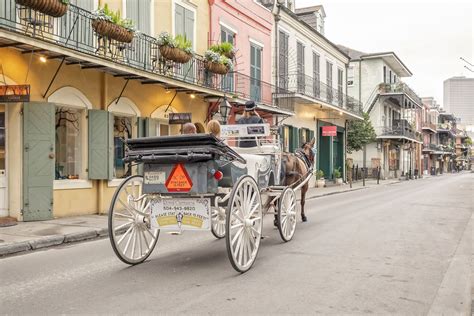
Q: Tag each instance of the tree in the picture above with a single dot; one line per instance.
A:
(359, 134)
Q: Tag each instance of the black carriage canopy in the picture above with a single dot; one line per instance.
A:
(179, 148)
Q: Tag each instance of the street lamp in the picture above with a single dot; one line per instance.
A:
(224, 110)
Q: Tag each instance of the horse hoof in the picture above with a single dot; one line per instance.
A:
(304, 219)
(275, 222)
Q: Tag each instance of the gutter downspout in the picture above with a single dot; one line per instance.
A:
(276, 15)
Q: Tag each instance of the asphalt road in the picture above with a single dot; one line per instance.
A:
(402, 248)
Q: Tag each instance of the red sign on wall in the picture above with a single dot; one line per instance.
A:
(329, 130)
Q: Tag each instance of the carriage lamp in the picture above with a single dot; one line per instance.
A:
(224, 109)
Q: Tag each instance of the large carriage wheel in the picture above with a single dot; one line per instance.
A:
(218, 222)
(130, 233)
(244, 224)
(286, 216)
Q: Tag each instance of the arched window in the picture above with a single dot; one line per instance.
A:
(125, 117)
(71, 107)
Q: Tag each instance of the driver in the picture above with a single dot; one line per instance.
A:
(250, 117)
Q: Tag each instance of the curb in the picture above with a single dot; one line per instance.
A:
(49, 241)
(333, 193)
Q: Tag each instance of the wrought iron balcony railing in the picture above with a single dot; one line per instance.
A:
(429, 125)
(400, 87)
(400, 128)
(74, 31)
(315, 89)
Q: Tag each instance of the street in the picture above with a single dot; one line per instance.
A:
(403, 248)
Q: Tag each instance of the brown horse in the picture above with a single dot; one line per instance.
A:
(295, 168)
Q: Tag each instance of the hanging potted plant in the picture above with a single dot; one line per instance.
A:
(338, 176)
(178, 49)
(226, 49)
(54, 8)
(320, 182)
(109, 24)
(216, 63)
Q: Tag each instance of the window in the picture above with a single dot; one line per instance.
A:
(255, 72)
(300, 67)
(340, 91)
(283, 60)
(140, 13)
(122, 132)
(68, 164)
(184, 22)
(316, 76)
(350, 76)
(329, 81)
(389, 76)
(228, 80)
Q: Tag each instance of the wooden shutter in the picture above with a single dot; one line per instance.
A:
(101, 126)
(144, 19)
(38, 160)
(294, 140)
(189, 25)
(150, 125)
(283, 60)
(179, 20)
(311, 135)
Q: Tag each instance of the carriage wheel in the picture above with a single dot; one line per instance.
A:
(286, 216)
(131, 236)
(218, 222)
(244, 224)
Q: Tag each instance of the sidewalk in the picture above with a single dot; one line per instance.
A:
(27, 236)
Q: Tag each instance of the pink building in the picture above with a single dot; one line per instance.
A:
(248, 26)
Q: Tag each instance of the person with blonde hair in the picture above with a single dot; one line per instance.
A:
(214, 128)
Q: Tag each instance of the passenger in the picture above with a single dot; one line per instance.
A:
(214, 128)
(250, 117)
(189, 128)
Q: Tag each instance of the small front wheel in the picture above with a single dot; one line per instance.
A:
(218, 222)
(286, 215)
(130, 232)
(244, 224)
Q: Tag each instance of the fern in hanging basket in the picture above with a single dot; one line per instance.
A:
(54, 8)
(216, 63)
(178, 49)
(109, 24)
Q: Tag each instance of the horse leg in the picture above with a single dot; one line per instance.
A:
(303, 196)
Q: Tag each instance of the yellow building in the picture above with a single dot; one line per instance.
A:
(62, 151)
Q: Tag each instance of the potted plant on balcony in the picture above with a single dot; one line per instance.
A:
(320, 182)
(54, 8)
(178, 49)
(109, 24)
(226, 49)
(338, 176)
(217, 63)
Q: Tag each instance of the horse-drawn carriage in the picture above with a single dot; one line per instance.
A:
(199, 182)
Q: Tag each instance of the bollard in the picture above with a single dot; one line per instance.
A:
(363, 176)
(378, 175)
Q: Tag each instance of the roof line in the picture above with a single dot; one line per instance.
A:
(386, 53)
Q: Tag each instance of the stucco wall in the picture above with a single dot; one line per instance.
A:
(100, 89)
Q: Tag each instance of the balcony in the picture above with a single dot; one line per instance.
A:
(429, 127)
(310, 90)
(400, 129)
(446, 128)
(72, 40)
(399, 88)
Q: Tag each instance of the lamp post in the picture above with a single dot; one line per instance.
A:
(224, 109)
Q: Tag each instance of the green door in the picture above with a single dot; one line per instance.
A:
(38, 161)
(323, 154)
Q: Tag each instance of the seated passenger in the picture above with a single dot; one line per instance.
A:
(214, 128)
(189, 128)
(250, 117)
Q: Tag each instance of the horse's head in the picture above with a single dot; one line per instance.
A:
(308, 150)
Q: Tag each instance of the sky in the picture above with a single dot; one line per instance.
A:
(428, 36)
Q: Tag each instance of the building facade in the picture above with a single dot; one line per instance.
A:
(395, 112)
(306, 63)
(62, 149)
(459, 99)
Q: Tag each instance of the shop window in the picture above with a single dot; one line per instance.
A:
(68, 164)
(122, 132)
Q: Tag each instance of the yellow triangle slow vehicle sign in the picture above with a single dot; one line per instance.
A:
(179, 180)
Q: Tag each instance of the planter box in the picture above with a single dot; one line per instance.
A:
(320, 183)
(217, 68)
(338, 181)
(54, 8)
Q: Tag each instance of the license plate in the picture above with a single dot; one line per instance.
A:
(181, 214)
(155, 177)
